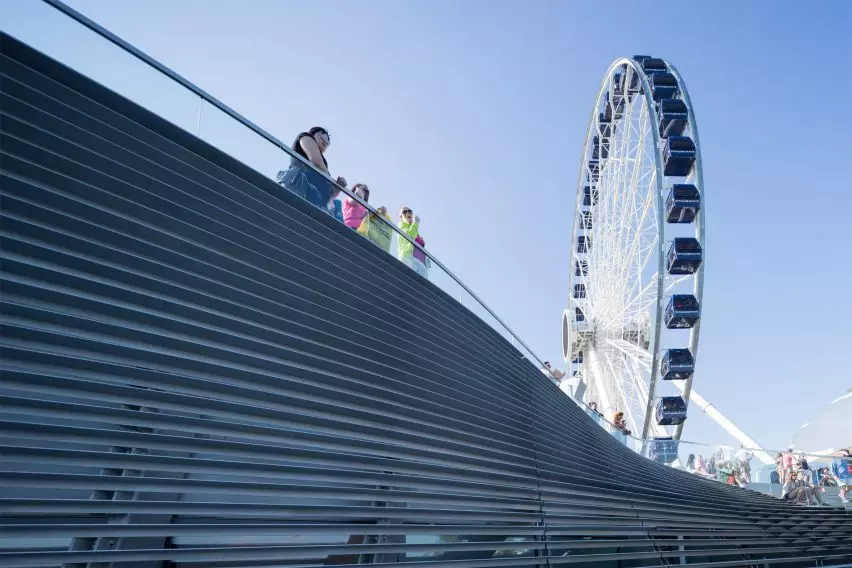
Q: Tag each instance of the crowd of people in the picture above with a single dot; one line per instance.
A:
(302, 180)
(733, 468)
(800, 484)
(788, 464)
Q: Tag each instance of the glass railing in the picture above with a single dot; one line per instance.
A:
(51, 27)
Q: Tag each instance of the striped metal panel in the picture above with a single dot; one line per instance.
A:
(201, 370)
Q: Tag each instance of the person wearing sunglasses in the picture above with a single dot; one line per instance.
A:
(303, 180)
(410, 225)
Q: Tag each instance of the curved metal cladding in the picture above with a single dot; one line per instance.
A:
(201, 370)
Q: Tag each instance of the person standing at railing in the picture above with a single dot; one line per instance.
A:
(410, 225)
(378, 228)
(552, 372)
(303, 180)
(353, 212)
(593, 406)
(620, 423)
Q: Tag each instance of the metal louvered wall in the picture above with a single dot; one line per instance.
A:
(200, 370)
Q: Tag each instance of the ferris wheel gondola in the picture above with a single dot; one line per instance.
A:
(637, 249)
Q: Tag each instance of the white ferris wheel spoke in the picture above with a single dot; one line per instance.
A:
(617, 388)
(633, 351)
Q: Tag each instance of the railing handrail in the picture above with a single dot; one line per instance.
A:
(147, 59)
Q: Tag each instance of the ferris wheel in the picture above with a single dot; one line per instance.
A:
(635, 292)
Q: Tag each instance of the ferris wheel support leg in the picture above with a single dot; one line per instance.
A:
(726, 423)
(598, 378)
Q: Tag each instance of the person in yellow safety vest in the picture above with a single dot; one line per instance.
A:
(378, 228)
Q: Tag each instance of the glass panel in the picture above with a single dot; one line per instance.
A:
(220, 130)
(477, 308)
(445, 282)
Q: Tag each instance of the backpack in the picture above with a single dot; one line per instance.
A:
(774, 478)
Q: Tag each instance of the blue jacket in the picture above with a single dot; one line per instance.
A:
(840, 468)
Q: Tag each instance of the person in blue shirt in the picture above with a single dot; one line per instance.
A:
(841, 469)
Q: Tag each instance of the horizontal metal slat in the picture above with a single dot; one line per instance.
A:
(315, 492)
(347, 466)
(190, 512)
(33, 373)
(293, 475)
(99, 344)
(295, 443)
(292, 374)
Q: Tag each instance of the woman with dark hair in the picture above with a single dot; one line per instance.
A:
(301, 179)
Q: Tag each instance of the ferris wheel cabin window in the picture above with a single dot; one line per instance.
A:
(670, 411)
(684, 256)
(678, 156)
(676, 364)
(651, 65)
(663, 86)
(682, 311)
(682, 203)
(673, 117)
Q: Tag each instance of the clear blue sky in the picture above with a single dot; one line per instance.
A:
(474, 113)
